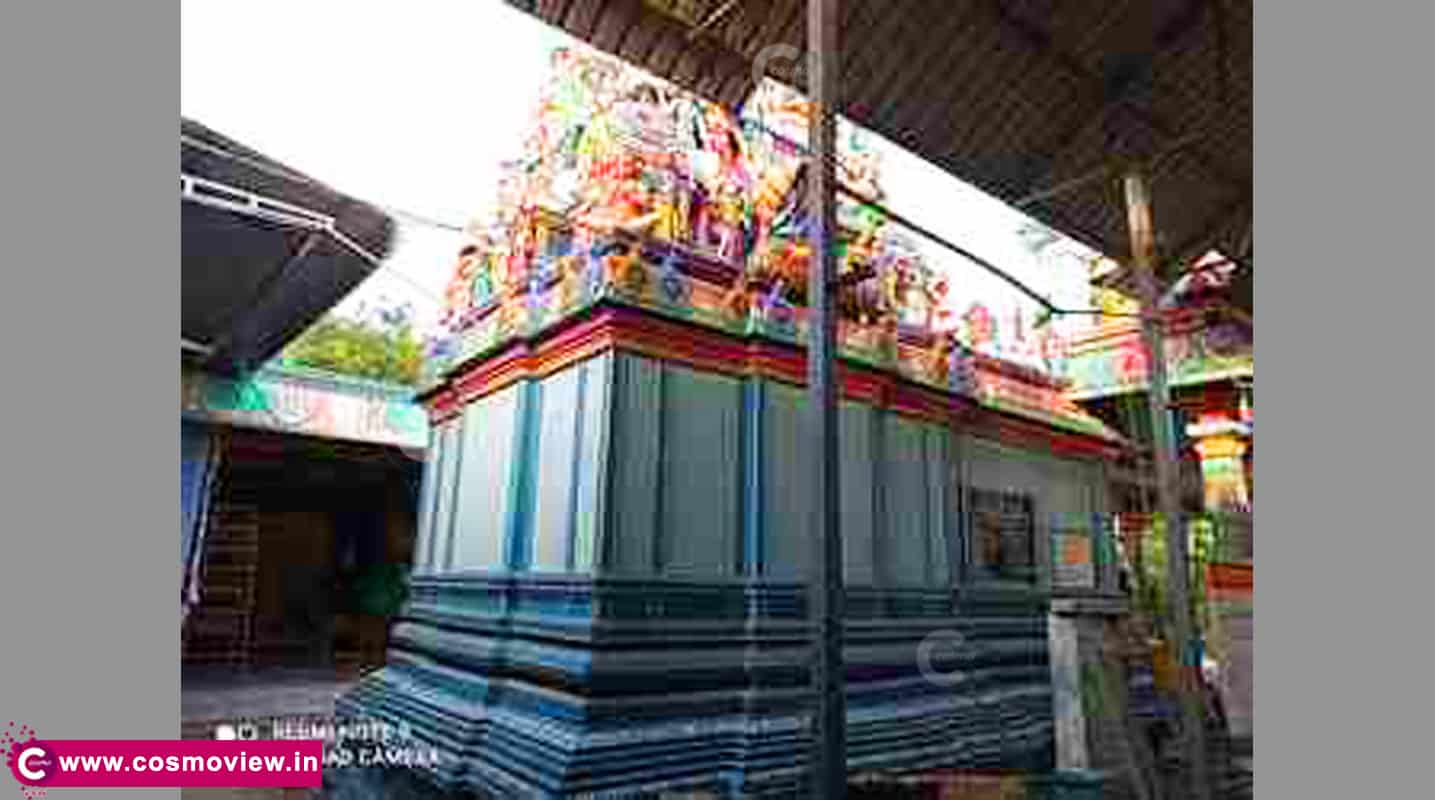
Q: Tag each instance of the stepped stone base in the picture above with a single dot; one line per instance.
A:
(557, 687)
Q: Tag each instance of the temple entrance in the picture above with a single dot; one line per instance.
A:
(304, 563)
(308, 545)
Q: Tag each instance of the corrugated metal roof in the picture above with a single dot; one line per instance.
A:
(259, 264)
(1012, 96)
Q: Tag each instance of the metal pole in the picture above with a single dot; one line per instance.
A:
(829, 743)
(1143, 250)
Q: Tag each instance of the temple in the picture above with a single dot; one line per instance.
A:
(608, 589)
(1210, 367)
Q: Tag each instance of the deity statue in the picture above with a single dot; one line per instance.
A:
(570, 279)
(980, 329)
(790, 266)
(741, 298)
(915, 305)
(939, 359)
(939, 293)
(458, 295)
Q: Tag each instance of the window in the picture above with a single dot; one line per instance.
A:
(1002, 530)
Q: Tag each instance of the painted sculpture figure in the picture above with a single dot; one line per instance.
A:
(608, 590)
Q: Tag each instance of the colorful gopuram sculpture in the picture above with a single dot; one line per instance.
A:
(608, 594)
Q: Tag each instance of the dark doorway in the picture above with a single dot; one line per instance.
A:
(309, 548)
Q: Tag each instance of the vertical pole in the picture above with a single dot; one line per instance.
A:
(1143, 249)
(829, 743)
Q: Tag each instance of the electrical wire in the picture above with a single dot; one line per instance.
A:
(424, 220)
(379, 264)
(941, 241)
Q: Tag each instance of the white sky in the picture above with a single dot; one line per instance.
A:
(412, 106)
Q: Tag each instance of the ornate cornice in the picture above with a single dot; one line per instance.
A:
(614, 328)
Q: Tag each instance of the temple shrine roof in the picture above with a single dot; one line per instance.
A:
(633, 192)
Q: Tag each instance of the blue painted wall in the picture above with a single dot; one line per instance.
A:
(856, 436)
(485, 502)
(622, 544)
(428, 498)
(443, 465)
(570, 415)
(623, 465)
(631, 525)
